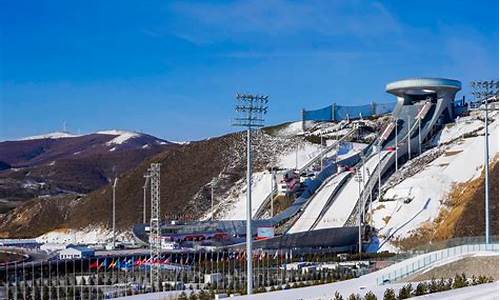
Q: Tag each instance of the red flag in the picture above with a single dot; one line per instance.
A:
(94, 265)
(390, 149)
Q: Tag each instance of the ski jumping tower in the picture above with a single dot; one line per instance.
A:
(154, 236)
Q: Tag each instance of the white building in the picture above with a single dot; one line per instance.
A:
(53, 247)
(76, 252)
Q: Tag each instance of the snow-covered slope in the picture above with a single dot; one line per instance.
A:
(317, 204)
(233, 207)
(424, 192)
(343, 205)
(89, 236)
(51, 135)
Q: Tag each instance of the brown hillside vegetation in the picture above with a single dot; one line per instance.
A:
(186, 172)
(463, 215)
(36, 217)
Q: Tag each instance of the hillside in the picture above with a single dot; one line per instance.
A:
(185, 174)
(62, 163)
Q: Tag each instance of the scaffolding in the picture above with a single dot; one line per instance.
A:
(154, 234)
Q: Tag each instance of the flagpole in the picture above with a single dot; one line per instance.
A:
(81, 277)
(41, 279)
(57, 280)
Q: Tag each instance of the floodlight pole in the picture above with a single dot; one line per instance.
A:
(249, 215)
(273, 184)
(379, 172)
(321, 149)
(409, 139)
(252, 108)
(359, 178)
(114, 212)
(212, 184)
(420, 136)
(396, 160)
(144, 200)
(485, 91)
(486, 175)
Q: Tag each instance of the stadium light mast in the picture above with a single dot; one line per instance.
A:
(359, 178)
(250, 110)
(144, 200)
(396, 142)
(212, 186)
(114, 211)
(485, 91)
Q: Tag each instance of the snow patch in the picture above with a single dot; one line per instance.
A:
(91, 235)
(52, 135)
(236, 202)
(122, 136)
(419, 198)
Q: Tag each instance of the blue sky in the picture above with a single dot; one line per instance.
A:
(172, 68)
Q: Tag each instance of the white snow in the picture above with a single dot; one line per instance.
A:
(292, 129)
(461, 127)
(89, 236)
(235, 204)
(365, 283)
(112, 149)
(300, 156)
(461, 162)
(317, 203)
(145, 146)
(344, 204)
(52, 135)
(122, 136)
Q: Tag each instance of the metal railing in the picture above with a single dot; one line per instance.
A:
(413, 266)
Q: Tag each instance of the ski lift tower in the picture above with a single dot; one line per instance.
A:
(154, 226)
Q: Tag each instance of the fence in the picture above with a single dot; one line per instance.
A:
(421, 262)
(336, 112)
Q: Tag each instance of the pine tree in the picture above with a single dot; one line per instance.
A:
(354, 297)
(421, 289)
(338, 296)
(405, 292)
(370, 296)
(389, 295)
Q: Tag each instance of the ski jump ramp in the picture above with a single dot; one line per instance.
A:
(423, 104)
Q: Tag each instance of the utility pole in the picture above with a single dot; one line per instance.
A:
(251, 110)
(485, 91)
(114, 212)
(144, 200)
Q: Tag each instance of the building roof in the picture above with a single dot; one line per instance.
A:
(79, 248)
(422, 86)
